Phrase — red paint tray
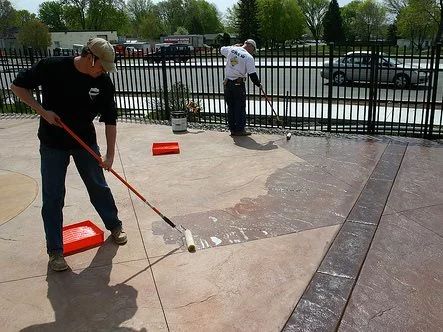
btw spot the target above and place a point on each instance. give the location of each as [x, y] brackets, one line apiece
[81, 236]
[165, 148]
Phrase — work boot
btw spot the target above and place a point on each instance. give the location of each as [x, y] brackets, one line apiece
[57, 262]
[243, 133]
[240, 133]
[119, 235]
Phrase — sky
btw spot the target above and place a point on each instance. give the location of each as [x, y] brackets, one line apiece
[222, 5]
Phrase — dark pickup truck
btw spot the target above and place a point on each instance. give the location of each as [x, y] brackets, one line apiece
[178, 53]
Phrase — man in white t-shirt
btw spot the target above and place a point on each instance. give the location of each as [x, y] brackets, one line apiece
[239, 63]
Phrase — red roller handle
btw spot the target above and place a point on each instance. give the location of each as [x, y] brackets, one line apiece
[100, 161]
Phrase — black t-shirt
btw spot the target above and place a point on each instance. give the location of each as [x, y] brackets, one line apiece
[76, 97]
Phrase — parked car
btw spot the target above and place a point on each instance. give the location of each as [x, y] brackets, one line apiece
[175, 52]
[356, 66]
[63, 51]
[134, 52]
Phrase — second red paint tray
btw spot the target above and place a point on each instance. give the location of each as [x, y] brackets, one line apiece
[165, 148]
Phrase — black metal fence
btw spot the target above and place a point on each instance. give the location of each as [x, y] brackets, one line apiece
[370, 89]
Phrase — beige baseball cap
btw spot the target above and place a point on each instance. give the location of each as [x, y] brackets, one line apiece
[103, 50]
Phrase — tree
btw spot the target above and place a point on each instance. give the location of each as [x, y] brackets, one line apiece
[34, 34]
[391, 35]
[395, 6]
[181, 31]
[225, 39]
[439, 34]
[137, 11]
[349, 14]
[151, 26]
[7, 15]
[104, 14]
[248, 25]
[280, 20]
[231, 18]
[364, 20]
[202, 17]
[116, 19]
[419, 21]
[172, 13]
[314, 12]
[22, 17]
[72, 18]
[52, 14]
[77, 11]
[371, 18]
[333, 24]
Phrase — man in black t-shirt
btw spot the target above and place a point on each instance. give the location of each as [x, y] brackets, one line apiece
[75, 90]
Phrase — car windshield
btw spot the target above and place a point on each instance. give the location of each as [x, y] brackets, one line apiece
[391, 61]
[395, 62]
[356, 59]
[365, 59]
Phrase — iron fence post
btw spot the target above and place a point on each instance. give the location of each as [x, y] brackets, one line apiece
[429, 91]
[434, 90]
[165, 82]
[331, 68]
[371, 124]
[31, 55]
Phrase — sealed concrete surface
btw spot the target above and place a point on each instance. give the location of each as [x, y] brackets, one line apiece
[264, 212]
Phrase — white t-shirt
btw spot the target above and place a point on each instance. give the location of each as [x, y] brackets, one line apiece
[239, 62]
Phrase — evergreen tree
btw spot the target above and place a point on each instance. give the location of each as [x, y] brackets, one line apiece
[248, 24]
[333, 24]
[392, 33]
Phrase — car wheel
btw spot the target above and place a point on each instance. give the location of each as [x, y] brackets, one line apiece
[401, 81]
[339, 78]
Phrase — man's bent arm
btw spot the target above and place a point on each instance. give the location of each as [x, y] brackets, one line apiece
[111, 137]
[27, 97]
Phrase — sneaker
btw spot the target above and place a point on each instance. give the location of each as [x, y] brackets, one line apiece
[119, 235]
[57, 262]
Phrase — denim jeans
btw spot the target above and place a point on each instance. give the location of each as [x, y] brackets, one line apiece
[54, 164]
[235, 97]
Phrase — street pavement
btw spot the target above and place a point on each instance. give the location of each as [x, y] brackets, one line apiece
[318, 233]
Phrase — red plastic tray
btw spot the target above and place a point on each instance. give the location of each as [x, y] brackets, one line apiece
[81, 236]
[165, 148]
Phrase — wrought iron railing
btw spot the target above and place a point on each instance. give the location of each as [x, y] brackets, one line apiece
[376, 88]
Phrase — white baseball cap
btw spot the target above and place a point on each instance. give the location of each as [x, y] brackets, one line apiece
[103, 50]
[251, 42]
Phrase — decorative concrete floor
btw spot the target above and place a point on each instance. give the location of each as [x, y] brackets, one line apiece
[333, 232]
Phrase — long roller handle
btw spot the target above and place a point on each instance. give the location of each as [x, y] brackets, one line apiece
[100, 161]
[269, 102]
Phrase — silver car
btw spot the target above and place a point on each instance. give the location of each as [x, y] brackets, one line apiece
[356, 66]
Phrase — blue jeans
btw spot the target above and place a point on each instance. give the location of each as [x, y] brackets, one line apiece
[54, 164]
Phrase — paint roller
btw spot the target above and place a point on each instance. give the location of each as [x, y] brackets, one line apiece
[186, 233]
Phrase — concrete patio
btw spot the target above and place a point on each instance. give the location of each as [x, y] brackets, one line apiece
[317, 233]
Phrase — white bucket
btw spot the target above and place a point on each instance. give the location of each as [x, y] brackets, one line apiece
[179, 121]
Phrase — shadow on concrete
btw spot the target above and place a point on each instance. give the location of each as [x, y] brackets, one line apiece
[85, 301]
[248, 143]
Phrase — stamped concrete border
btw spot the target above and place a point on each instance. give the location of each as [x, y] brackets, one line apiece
[323, 303]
